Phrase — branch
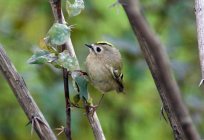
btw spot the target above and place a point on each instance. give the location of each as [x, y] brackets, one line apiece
[56, 7]
[199, 7]
[24, 98]
[93, 119]
[68, 104]
[159, 66]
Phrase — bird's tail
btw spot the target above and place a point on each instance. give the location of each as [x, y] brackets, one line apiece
[120, 88]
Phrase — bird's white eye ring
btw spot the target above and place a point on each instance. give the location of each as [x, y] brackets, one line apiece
[98, 49]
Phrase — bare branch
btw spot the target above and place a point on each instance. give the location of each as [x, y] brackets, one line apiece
[93, 119]
[159, 66]
[199, 7]
[24, 98]
[95, 124]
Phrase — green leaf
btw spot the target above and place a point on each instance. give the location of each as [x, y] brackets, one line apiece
[75, 8]
[82, 84]
[76, 99]
[57, 35]
[90, 101]
[56, 65]
[44, 46]
[41, 57]
[67, 61]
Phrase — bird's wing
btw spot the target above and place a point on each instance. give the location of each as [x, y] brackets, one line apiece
[117, 76]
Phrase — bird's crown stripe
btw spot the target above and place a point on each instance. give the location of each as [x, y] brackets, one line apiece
[104, 43]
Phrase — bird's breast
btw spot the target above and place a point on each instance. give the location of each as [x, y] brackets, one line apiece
[100, 75]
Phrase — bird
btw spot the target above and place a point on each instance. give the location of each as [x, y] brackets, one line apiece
[104, 67]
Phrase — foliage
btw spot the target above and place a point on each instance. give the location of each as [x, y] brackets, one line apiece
[82, 84]
[41, 57]
[131, 116]
[75, 8]
[53, 53]
[57, 35]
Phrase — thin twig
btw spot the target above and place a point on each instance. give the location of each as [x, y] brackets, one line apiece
[199, 7]
[24, 98]
[159, 66]
[68, 104]
[56, 7]
[93, 120]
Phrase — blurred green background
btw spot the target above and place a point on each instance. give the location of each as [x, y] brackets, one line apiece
[135, 115]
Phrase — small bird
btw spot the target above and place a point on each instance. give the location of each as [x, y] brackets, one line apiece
[103, 66]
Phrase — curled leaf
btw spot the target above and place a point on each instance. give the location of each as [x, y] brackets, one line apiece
[57, 35]
[82, 84]
[75, 8]
[41, 57]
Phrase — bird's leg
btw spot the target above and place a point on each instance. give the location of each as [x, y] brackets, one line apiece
[100, 100]
[94, 107]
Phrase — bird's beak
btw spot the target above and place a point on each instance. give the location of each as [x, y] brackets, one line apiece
[89, 46]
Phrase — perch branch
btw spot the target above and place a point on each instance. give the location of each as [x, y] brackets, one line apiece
[199, 7]
[93, 119]
[159, 66]
[24, 98]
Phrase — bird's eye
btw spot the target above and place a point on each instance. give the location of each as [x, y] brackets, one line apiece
[98, 49]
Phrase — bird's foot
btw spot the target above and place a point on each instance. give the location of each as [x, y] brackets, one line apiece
[92, 109]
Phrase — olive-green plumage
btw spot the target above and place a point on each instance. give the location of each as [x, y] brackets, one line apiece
[103, 65]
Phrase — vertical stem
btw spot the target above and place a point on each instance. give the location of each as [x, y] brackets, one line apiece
[68, 105]
[93, 120]
[57, 11]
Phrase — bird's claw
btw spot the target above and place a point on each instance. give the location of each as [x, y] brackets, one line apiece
[92, 109]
